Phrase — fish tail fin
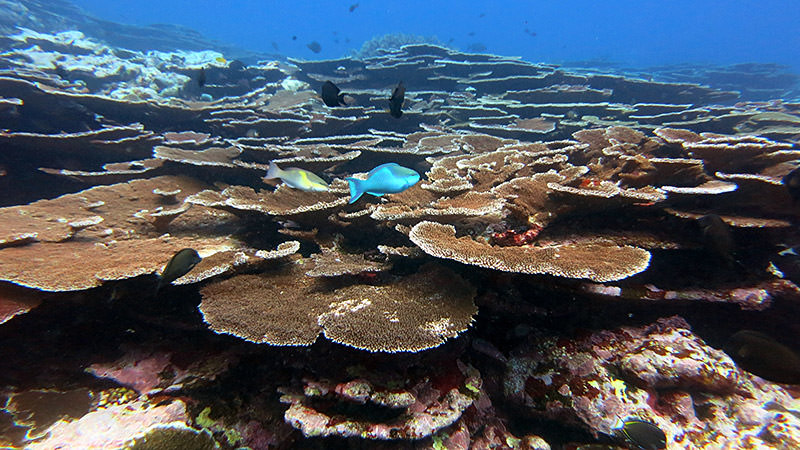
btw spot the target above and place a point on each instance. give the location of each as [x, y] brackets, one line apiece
[274, 171]
[158, 286]
[356, 188]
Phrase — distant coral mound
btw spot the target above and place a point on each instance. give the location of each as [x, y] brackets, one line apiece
[52, 16]
[391, 41]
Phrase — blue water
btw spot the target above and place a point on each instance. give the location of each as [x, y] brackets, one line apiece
[632, 33]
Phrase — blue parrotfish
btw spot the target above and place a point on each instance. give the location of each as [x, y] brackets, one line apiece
[389, 178]
[297, 178]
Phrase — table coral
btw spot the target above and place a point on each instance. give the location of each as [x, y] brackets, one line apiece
[595, 262]
[565, 202]
[289, 307]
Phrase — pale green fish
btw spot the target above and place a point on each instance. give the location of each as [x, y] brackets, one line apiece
[297, 178]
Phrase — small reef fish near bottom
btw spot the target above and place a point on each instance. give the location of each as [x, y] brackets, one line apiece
[179, 265]
[297, 178]
[643, 435]
[389, 178]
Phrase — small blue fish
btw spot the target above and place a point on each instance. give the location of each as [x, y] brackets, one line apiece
[389, 178]
[297, 178]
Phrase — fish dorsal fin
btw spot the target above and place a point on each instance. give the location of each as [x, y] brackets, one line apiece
[387, 166]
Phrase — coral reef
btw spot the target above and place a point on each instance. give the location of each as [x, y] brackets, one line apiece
[417, 412]
[390, 42]
[552, 275]
[291, 308]
[660, 373]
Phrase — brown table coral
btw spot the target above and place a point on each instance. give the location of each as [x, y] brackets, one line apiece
[596, 262]
[290, 308]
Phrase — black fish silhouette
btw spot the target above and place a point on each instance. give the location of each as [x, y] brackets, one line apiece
[201, 77]
[353, 7]
[792, 183]
[314, 46]
[717, 237]
[396, 101]
[236, 66]
[788, 262]
[331, 95]
[761, 355]
[644, 435]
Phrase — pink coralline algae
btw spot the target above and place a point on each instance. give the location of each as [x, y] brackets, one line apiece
[139, 372]
[511, 237]
[153, 371]
[661, 373]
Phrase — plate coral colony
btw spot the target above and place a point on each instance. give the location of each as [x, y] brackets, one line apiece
[452, 250]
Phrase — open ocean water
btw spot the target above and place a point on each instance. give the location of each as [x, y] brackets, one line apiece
[433, 225]
[626, 33]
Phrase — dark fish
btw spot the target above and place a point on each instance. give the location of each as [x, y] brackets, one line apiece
[294, 38]
[717, 237]
[792, 183]
[236, 66]
[353, 7]
[201, 77]
[275, 46]
[331, 95]
[314, 46]
[481, 15]
[396, 102]
[761, 355]
[471, 33]
[180, 264]
[486, 347]
[644, 435]
[788, 262]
